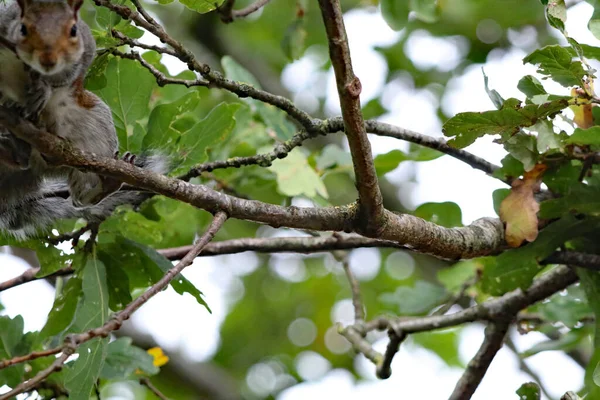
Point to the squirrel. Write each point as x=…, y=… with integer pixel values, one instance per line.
x=44, y=83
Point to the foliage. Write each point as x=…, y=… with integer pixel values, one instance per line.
x=547, y=138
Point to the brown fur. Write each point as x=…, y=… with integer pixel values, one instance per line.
x=48, y=31
x=83, y=98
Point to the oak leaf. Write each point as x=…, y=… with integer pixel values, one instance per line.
x=519, y=209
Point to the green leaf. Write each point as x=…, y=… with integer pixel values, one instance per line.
x=295, y=177
x=443, y=343
x=388, y=162
x=556, y=12
x=373, y=109
x=82, y=375
x=516, y=268
x=454, y=277
x=530, y=86
x=511, y=168
x=272, y=116
x=119, y=294
x=294, y=40
x=594, y=23
x=590, y=282
x=529, y=391
x=163, y=130
x=395, y=13
x=214, y=129
x=546, y=138
x=334, y=156
x=585, y=137
x=446, y=214
x=568, y=307
x=468, y=126
x=96, y=75
x=152, y=259
x=425, y=10
x=523, y=147
x=128, y=90
x=415, y=300
x=123, y=359
x=200, y=6
x=498, y=197
x=591, y=387
x=11, y=334
x=565, y=342
x=556, y=62
x=63, y=310
x=580, y=198
x=492, y=93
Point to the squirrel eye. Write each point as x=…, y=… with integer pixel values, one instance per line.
x=74, y=31
x=23, y=30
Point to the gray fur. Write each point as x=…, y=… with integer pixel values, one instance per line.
x=39, y=208
x=27, y=184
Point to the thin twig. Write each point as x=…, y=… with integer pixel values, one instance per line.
x=136, y=43
x=146, y=382
x=384, y=370
x=161, y=79
x=478, y=366
x=359, y=308
x=30, y=275
x=28, y=357
x=27, y=386
x=371, y=212
x=252, y=8
x=281, y=150
x=360, y=344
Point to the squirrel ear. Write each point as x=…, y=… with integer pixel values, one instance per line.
x=74, y=4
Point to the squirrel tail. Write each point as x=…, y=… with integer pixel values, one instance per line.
x=39, y=212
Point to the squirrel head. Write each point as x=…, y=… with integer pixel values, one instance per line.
x=48, y=39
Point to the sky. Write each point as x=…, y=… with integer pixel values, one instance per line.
x=415, y=369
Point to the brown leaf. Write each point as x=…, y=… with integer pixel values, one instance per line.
x=519, y=209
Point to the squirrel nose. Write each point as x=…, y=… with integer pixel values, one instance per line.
x=48, y=61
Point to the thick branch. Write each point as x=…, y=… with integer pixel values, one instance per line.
x=478, y=366
x=349, y=87
x=484, y=236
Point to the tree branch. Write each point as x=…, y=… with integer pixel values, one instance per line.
x=478, y=366
x=371, y=212
x=483, y=237
x=498, y=312
x=228, y=14
x=146, y=382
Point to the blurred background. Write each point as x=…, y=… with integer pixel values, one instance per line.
x=272, y=334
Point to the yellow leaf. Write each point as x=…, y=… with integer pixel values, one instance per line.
x=160, y=358
x=583, y=113
x=519, y=209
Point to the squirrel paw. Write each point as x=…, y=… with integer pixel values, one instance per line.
x=37, y=97
x=14, y=152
